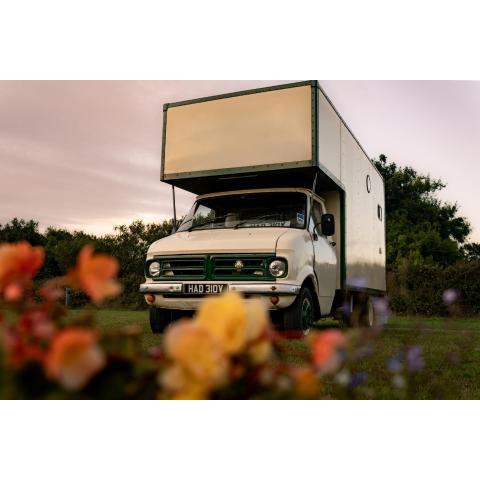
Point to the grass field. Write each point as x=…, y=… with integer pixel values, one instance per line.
x=451, y=350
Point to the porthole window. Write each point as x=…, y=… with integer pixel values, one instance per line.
x=369, y=184
x=379, y=212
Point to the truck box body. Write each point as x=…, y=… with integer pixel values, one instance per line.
x=284, y=136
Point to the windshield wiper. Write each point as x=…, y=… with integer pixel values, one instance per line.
x=261, y=217
x=206, y=222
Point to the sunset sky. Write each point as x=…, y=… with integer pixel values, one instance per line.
x=86, y=155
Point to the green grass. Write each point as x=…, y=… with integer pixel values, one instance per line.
x=451, y=349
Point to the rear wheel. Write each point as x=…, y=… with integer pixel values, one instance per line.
x=362, y=311
x=358, y=311
x=299, y=317
x=368, y=314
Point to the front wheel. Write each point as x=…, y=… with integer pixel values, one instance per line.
x=299, y=317
x=160, y=318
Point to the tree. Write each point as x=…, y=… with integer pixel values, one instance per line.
x=471, y=252
x=129, y=244
x=419, y=226
x=18, y=229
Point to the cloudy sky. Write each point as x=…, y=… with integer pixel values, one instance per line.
x=86, y=155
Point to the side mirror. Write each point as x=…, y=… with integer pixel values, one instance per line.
x=328, y=224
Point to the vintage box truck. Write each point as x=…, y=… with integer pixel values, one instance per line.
x=289, y=207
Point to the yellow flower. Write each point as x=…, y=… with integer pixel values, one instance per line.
x=226, y=319
x=258, y=319
x=181, y=385
x=192, y=347
x=260, y=352
x=258, y=326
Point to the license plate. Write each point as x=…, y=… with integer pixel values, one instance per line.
x=204, y=288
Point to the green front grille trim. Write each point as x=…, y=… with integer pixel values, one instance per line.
x=212, y=267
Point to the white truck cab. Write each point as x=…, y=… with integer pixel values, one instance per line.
x=270, y=219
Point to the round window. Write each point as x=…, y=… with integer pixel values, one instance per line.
x=369, y=184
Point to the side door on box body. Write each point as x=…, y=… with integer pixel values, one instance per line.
x=325, y=259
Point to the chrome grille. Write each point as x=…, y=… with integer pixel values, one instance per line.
x=238, y=266
x=189, y=267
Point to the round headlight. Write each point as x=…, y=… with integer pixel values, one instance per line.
x=278, y=268
x=154, y=269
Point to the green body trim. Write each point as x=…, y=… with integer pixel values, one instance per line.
x=240, y=93
x=233, y=171
x=368, y=291
x=343, y=260
x=210, y=271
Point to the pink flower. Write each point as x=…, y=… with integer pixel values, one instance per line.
x=450, y=296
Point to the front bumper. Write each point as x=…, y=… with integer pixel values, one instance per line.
x=169, y=295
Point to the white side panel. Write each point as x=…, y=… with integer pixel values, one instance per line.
x=329, y=137
x=265, y=128
x=332, y=204
x=364, y=231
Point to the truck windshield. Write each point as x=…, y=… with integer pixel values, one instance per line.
x=250, y=210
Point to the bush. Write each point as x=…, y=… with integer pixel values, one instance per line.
x=129, y=245
x=416, y=287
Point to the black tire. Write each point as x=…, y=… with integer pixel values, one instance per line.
x=368, y=318
x=298, y=318
x=361, y=311
x=161, y=318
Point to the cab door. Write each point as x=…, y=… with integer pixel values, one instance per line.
x=325, y=259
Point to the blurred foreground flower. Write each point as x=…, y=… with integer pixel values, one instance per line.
x=382, y=310
x=328, y=350
x=228, y=350
x=217, y=346
x=20, y=351
x=225, y=318
x=74, y=358
x=95, y=274
x=36, y=323
x=414, y=358
x=306, y=383
x=198, y=362
x=238, y=325
x=19, y=262
x=450, y=296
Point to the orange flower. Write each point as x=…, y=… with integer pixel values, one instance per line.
x=74, y=358
x=19, y=262
x=94, y=274
x=306, y=384
x=13, y=292
x=327, y=348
